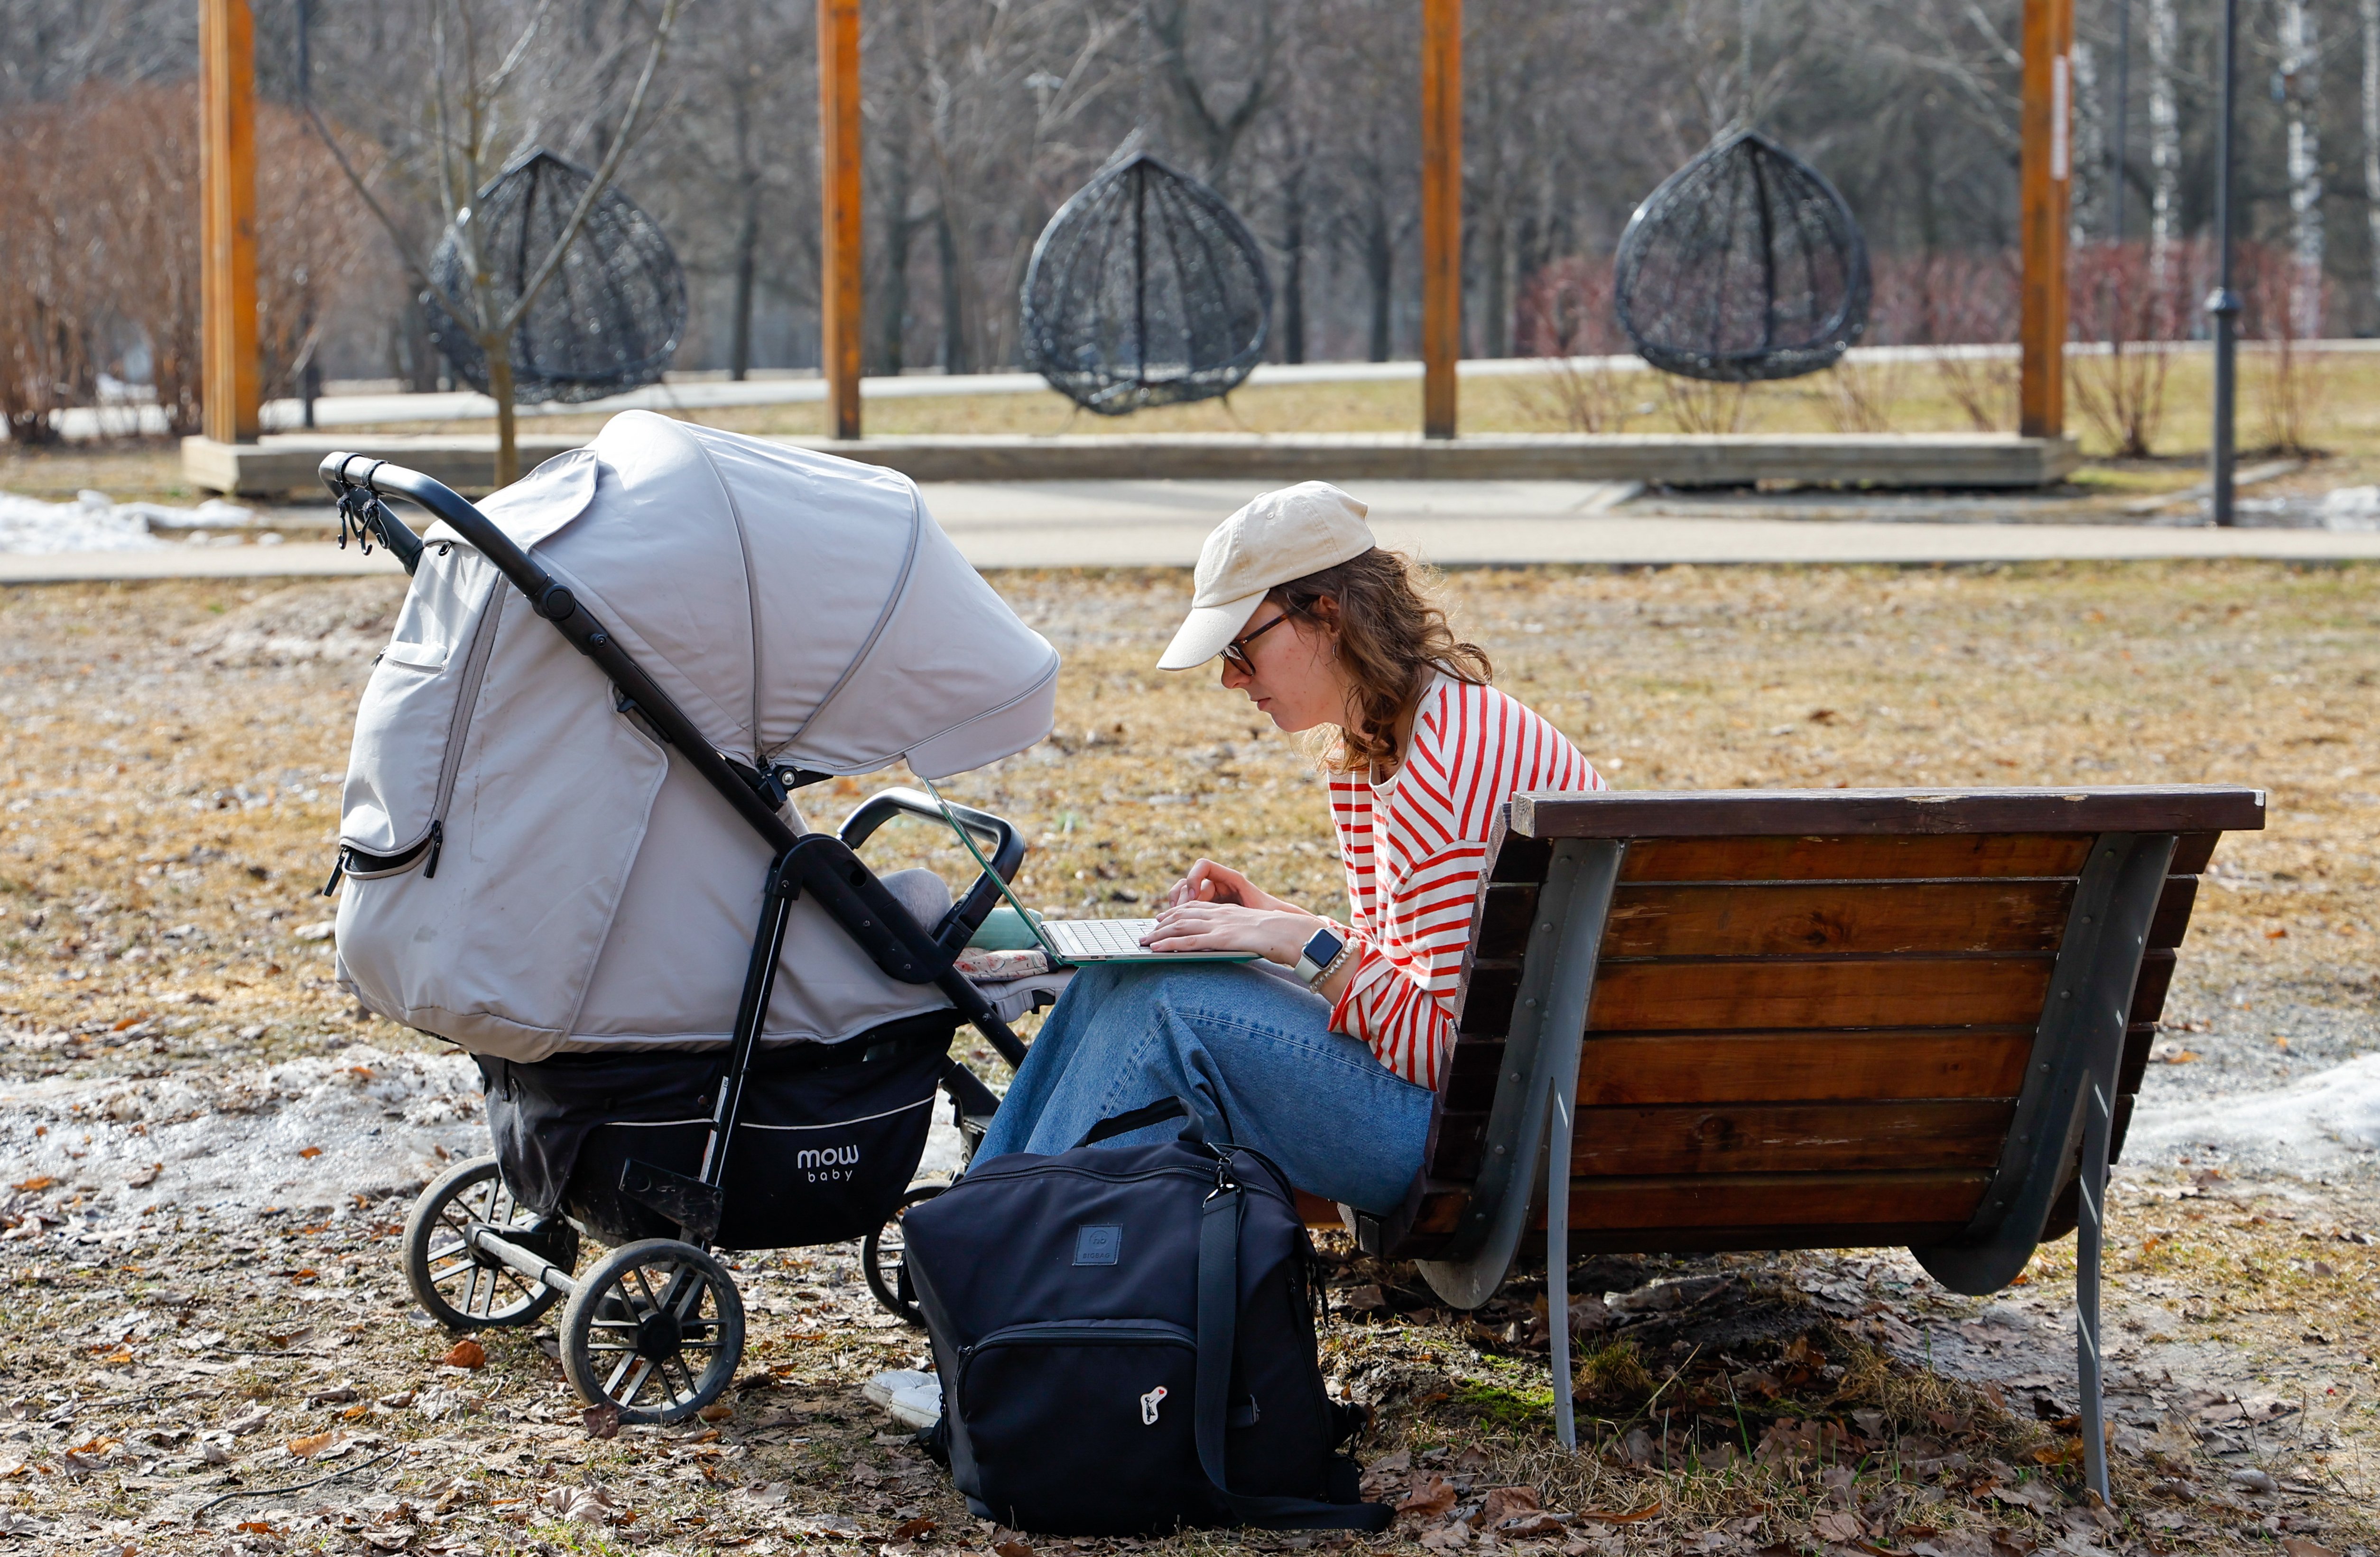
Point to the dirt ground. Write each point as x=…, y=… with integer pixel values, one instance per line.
x=242, y=1371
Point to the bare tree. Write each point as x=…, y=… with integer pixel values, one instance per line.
x=2370, y=9
x=2302, y=92
x=2164, y=143
x=469, y=99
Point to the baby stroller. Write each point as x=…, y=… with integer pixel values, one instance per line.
x=558, y=838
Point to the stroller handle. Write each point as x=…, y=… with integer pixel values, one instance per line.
x=968, y=915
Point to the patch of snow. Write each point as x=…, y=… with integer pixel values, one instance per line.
x=374, y=1121
x=95, y=522
x=2351, y=508
x=2328, y=1121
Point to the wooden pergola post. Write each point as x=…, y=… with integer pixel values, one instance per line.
x=1441, y=211
x=840, y=252
x=232, y=394
x=2045, y=172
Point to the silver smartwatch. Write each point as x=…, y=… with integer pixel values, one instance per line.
x=1320, y=955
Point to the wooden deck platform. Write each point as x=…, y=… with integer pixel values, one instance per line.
x=286, y=462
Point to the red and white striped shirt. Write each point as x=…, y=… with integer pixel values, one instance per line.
x=1414, y=848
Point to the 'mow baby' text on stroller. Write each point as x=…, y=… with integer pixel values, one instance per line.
x=558, y=836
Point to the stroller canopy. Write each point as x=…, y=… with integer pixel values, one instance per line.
x=530, y=871
x=801, y=608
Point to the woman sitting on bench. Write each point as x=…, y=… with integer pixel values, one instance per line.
x=1325, y=1063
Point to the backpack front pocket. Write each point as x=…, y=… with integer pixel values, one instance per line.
x=1127, y=1385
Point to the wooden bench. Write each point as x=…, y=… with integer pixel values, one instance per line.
x=1806, y=1019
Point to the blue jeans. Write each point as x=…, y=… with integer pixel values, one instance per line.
x=1252, y=1055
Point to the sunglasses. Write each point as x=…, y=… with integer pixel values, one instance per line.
x=1236, y=652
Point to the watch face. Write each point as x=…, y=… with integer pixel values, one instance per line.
x=1323, y=947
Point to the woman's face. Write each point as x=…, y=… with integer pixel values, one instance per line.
x=1296, y=679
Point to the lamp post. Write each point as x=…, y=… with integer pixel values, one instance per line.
x=2224, y=302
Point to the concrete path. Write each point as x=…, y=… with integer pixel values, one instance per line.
x=1135, y=524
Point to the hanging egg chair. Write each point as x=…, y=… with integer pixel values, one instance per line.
x=1745, y=264
x=1145, y=289
x=608, y=319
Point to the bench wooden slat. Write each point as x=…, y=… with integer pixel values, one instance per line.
x=1646, y=814
x=1854, y=858
x=1848, y=1199
x=2149, y=992
x=1790, y=1236
x=1619, y=1070
x=2171, y=921
x=1816, y=993
x=1762, y=1137
x=1739, y=920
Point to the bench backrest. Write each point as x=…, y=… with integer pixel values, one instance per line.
x=1810, y=1019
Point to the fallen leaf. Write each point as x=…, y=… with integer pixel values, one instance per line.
x=389, y=1538
x=2035, y=1495
x=1432, y=1496
x=306, y=1448
x=255, y=1527
x=1012, y=1548
x=1639, y=1516
x=35, y=1186
x=1446, y=1538
x=602, y=1421
x=2298, y=1546
x=1839, y=1524
x=142, y=1178
x=910, y=1529
x=1507, y=1502
x=465, y=1353
x=716, y=1413
x=310, y=1152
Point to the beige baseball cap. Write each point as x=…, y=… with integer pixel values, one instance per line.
x=1278, y=536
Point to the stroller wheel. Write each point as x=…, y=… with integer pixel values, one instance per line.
x=880, y=1256
x=461, y=1288
x=655, y=1328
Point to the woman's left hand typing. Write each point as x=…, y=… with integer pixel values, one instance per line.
x=1275, y=935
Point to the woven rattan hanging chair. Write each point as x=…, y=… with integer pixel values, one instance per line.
x=1745, y=264
x=608, y=320
x=1145, y=289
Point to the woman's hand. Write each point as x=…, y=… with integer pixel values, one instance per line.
x=1210, y=882
x=1277, y=935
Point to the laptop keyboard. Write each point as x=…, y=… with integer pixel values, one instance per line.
x=1097, y=937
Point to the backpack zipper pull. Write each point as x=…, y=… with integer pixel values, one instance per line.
x=437, y=845
x=338, y=869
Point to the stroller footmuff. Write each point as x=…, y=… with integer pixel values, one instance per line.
x=571, y=846
x=827, y=1143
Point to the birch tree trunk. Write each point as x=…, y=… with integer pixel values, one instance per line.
x=2302, y=81
x=2165, y=150
x=2371, y=135
x=2084, y=220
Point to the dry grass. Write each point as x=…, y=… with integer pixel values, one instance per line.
x=168, y=788
x=2337, y=396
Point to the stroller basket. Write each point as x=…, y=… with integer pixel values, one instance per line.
x=668, y=1147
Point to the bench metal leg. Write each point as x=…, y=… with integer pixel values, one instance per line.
x=2090, y=1240
x=1541, y=1057
x=1565, y=1099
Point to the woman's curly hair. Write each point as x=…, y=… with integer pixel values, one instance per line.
x=1391, y=637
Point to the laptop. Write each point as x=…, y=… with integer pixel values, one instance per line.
x=1088, y=941
x=1079, y=941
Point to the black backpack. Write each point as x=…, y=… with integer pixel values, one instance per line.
x=1125, y=1341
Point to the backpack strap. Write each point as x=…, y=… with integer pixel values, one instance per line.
x=1218, y=1308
